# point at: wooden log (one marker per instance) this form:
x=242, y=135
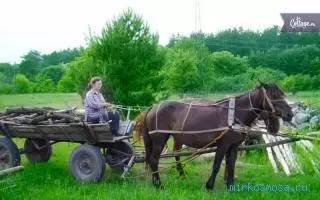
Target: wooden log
x=27, y=110
x=270, y=155
x=279, y=155
x=286, y=155
x=241, y=148
x=292, y=157
x=255, y=131
x=69, y=118
x=10, y=170
x=11, y=115
x=296, y=160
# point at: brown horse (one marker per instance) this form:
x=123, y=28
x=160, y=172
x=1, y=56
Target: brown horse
x=271, y=121
x=197, y=126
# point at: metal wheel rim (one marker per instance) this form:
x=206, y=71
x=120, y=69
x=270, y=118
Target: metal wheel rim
x=5, y=158
x=85, y=164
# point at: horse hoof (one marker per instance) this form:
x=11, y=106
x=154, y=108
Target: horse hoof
x=209, y=186
x=160, y=187
x=157, y=184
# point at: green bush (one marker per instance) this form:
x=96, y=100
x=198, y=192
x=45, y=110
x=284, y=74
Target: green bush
x=45, y=86
x=297, y=82
x=231, y=83
x=6, y=89
x=66, y=84
x=22, y=84
x=315, y=82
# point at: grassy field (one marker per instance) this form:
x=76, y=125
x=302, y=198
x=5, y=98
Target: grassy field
x=56, y=100
x=53, y=180
x=311, y=98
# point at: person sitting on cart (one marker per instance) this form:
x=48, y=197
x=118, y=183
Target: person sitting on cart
x=95, y=107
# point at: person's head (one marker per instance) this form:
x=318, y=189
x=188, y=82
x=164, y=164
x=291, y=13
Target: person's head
x=95, y=83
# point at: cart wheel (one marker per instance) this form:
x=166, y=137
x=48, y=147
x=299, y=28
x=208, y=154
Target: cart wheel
x=9, y=154
x=120, y=153
x=36, y=155
x=87, y=163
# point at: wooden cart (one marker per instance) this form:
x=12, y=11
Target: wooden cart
x=87, y=161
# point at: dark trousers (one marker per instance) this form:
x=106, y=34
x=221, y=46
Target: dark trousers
x=114, y=124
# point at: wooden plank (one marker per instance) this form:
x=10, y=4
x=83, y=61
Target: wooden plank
x=270, y=155
x=279, y=155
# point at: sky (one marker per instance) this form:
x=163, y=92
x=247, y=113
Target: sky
x=49, y=25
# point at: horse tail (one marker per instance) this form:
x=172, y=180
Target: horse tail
x=142, y=131
x=140, y=122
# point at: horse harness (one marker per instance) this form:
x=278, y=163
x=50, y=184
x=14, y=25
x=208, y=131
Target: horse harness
x=232, y=119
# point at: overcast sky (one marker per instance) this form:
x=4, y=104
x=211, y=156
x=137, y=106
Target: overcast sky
x=48, y=25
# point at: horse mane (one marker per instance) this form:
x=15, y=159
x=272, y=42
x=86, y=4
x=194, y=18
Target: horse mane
x=272, y=89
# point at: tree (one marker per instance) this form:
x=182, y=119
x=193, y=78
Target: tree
x=8, y=71
x=126, y=55
x=227, y=64
x=31, y=64
x=66, y=84
x=60, y=57
x=297, y=82
x=180, y=73
x=53, y=72
x=291, y=61
x=204, y=60
x=45, y=85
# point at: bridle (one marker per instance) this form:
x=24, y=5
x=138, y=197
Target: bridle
x=267, y=99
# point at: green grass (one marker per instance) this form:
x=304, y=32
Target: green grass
x=311, y=98
x=56, y=100
x=53, y=180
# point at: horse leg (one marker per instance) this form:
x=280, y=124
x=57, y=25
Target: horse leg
x=226, y=170
x=157, y=148
x=178, y=147
x=231, y=158
x=221, y=151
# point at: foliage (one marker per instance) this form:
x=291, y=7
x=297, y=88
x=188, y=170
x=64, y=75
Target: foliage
x=226, y=64
x=193, y=54
x=44, y=85
x=126, y=55
x=53, y=72
x=31, y=64
x=297, y=82
x=22, y=84
x=291, y=61
x=66, y=84
x=6, y=89
x=7, y=72
x=60, y=57
x=136, y=70
x=180, y=72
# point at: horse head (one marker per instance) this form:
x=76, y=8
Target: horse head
x=273, y=101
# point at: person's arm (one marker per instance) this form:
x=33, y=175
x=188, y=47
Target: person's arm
x=91, y=101
x=106, y=103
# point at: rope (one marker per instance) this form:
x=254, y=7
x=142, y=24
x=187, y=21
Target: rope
x=185, y=161
x=185, y=119
x=132, y=108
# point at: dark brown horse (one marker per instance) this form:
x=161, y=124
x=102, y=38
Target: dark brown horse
x=193, y=126
x=271, y=121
